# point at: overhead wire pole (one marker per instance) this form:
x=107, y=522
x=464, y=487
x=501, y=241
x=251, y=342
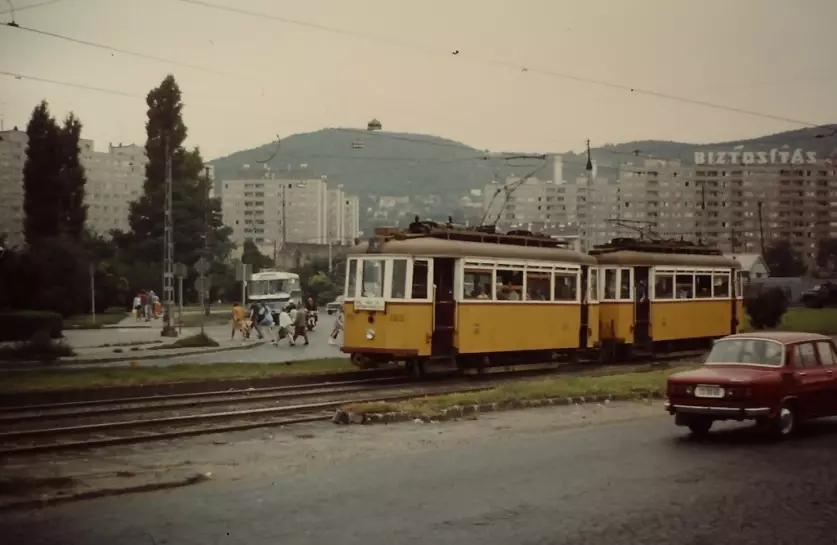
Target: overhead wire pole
x=168, y=249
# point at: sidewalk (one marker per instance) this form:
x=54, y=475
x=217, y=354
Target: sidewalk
x=114, y=344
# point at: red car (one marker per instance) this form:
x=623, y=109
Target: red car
x=775, y=378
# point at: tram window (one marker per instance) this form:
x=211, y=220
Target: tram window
x=663, y=286
x=625, y=285
x=372, y=278
x=399, y=279
x=720, y=285
x=684, y=286
x=610, y=284
x=351, y=278
x=477, y=284
x=703, y=285
x=420, y=270
x=537, y=286
x=509, y=285
x=565, y=286
x=594, y=285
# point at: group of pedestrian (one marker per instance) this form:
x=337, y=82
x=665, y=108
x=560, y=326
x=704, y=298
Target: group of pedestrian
x=146, y=306
x=292, y=322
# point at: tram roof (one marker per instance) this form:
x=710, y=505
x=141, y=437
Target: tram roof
x=633, y=258
x=436, y=247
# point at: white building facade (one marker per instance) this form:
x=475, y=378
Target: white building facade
x=12, y=157
x=114, y=179
x=270, y=211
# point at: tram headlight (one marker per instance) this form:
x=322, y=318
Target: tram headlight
x=370, y=334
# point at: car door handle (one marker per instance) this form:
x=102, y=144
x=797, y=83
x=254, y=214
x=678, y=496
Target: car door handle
x=802, y=374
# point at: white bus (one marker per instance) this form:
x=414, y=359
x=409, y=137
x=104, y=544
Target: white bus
x=275, y=288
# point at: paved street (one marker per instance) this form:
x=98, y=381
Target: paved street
x=526, y=477
x=99, y=343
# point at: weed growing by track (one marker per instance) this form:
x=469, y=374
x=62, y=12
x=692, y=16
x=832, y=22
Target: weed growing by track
x=628, y=384
x=62, y=379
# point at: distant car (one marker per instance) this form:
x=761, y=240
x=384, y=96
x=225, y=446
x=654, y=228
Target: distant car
x=335, y=305
x=820, y=296
x=775, y=378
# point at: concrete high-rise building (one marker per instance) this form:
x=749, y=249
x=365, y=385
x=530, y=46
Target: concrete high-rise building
x=115, y=178
x=12, y=157
x=731, y=199
x=270, y=211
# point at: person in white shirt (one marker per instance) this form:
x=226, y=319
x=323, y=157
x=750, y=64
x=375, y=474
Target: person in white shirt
x=338, y=326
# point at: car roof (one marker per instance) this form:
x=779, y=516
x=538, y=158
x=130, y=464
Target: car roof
x=784, y=337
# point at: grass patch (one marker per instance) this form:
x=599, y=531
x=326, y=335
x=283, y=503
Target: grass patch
x=67, y=379
x=810, y=320
x=201, y=340
x=628, y=384
x=86, y=321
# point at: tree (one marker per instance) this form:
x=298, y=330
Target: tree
x=53, y=178
x=766, y=309
x=72, y=180
x=783, y=261
x=42, y=193
x=166, y=131
x=252, y=256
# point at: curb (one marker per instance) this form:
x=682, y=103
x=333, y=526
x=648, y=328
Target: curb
x=459, y=411
x=139, y=355
x=104, y=493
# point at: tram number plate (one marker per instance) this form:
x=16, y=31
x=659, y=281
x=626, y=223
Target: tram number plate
x=709, y=391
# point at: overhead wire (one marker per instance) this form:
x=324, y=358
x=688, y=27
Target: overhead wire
x=499, y=62
x=29, y=6
x=123, y=51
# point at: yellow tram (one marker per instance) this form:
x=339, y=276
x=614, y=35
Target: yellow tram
x=465, y=299
x=665, y=296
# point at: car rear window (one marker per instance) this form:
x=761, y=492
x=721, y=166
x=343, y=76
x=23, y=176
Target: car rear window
x=746, y=352
x=806, y=355
x=827, y=355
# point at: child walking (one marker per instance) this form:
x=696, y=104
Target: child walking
x=338, y=326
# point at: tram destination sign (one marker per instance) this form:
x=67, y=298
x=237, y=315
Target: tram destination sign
x=772, y=157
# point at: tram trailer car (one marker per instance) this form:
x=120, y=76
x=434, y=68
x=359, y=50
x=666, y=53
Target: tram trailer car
x=661, y=301
x=420, y=300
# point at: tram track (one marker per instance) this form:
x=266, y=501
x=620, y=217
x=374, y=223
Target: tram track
x=96, y=424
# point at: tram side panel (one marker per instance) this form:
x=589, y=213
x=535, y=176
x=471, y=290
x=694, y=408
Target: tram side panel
x=695, y=319
x=616, y=321
x=487, y=327
x=402, y=330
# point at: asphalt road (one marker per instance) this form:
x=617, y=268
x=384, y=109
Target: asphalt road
x=630, y=483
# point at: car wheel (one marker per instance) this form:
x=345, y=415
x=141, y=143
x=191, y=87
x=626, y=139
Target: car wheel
x=701, y=426
x=784, y=425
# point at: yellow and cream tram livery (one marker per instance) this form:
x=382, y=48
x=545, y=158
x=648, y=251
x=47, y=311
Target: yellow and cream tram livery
x=467, y=300
x=664, y=297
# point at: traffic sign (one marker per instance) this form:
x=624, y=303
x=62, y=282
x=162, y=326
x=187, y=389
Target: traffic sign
x=180, y=270
x=202, y=266
x=203, y=283
x=242, y=272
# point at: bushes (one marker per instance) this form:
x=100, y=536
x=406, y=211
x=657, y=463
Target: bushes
x=23, y=325
x=39, y=348
x=767, y=308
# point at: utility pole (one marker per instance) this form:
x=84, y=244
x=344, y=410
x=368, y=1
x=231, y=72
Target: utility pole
x=92, y=291
x=204, y=290
x=168, y=250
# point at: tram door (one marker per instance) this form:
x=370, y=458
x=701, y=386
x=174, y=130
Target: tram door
x=584, y=326
x=733, y=290
x=642, y=306
x=444, y=307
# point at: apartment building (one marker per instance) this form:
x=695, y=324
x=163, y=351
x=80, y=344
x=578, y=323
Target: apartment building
x=115, y=178
x=12, y=157
x=270, y=210
x=732, y=199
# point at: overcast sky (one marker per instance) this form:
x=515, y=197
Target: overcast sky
x=770, y=56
